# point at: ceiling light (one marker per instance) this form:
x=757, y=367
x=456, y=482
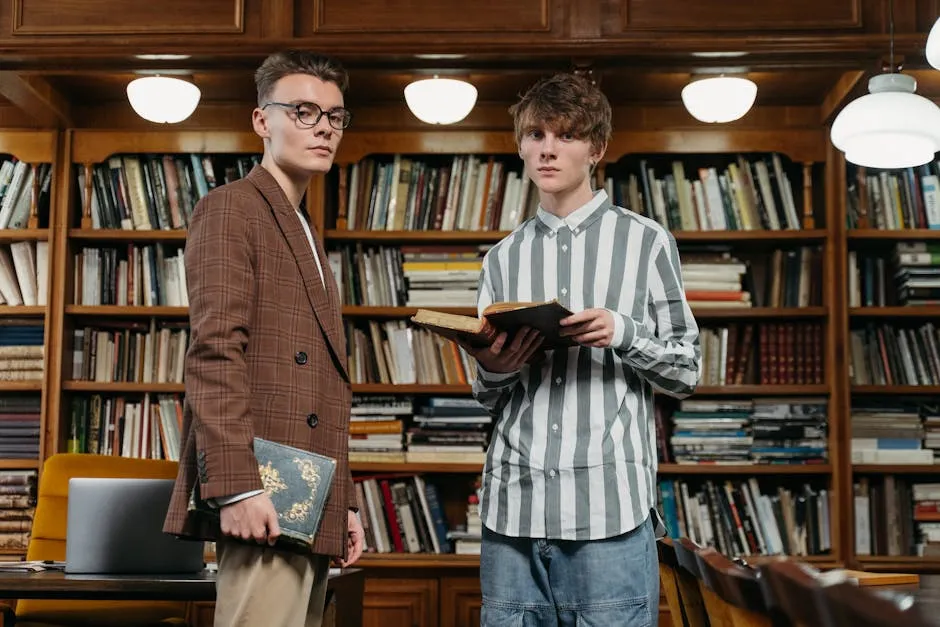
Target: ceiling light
x=161, y=57
x=891, y=127
x=719, y=99
x=720, y=55
x=163, y=99
x=440, y=100
x=933, y=45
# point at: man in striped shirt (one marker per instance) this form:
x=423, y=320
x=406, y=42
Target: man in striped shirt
x=569, y=485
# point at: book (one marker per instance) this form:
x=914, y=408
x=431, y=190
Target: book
x=497, y=318
x=298, y=483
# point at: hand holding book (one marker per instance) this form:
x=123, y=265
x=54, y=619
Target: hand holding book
x=555, y=325
x=591, y=327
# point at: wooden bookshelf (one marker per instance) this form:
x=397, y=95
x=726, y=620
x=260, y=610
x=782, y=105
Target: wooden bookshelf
x=70, y=232
x=23, y=235
x=22, y=311
x=927, y=312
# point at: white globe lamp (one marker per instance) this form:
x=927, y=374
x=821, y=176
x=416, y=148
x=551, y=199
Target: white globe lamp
x=890, y=127
x=933, y=45
x=163, y=99
x=719, y=99
x=440, y=100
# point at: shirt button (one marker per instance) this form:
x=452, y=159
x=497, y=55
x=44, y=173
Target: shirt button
x=551, y=473
x=558, y=380
x=564, y=247
x=554, y=427
x=564, y=291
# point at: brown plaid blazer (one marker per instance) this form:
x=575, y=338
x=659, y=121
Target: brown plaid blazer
x=267, y=354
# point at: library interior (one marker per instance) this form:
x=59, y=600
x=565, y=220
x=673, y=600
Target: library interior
x=752, y=133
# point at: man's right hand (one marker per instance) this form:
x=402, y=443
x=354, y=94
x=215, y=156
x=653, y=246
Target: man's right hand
x=252, y=518
x=499, y=357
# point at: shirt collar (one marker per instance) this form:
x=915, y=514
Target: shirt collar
x=577, y=217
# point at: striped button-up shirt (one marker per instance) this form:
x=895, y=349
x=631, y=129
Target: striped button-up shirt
x=573, y=452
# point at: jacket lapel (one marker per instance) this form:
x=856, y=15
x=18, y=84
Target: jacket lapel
x=324, y=300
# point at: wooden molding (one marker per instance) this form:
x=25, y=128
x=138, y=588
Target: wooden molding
x=698, y=15
x=101, y=17
x=837, y=96
x=36, y=98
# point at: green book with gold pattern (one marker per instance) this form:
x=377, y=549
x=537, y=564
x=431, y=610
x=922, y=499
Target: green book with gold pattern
x=298, y=483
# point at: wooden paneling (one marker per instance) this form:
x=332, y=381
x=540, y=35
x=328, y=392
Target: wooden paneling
x=400, y=603
x=715, y=15
x=125, y=17
x=460, y=601
x=429, y=16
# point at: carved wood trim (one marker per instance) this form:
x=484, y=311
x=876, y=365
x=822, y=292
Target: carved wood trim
x=20, y=28
x=466, y=25
x=853, y=21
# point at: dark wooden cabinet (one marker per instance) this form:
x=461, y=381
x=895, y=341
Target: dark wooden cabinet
x=460, y=601
x=400, y=602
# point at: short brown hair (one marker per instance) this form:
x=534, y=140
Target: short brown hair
x=281, y=64
x=564, y=102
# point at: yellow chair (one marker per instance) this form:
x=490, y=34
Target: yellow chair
x=47, y=542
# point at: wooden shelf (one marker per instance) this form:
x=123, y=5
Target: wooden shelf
x=416, y=237
x=762, y=390
x=897, y=390
x=721, y=391
x=385, y=388
x=896, y=469
x=417, y=560
x=127, y=311
x=118, y=387
x=22, y=311
x=898, y=235
x=908, y=564
x=127, y=235
x=757, y=313
x=763, y=236
x=451, y=560
x=744, y=469
x=19, y=464
x=416, y=467
x=364, y=311
x=895, y=312
x=23, y=235
x=454, y=237
x=20, y=386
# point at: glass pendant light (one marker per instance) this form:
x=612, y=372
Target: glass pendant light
x=891, y=126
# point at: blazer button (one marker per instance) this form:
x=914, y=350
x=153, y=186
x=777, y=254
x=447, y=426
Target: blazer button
x=312, y=420
x=300, y=358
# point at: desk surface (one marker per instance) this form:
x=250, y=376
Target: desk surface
x=185, y=587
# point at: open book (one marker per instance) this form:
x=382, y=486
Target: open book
x=499, y=317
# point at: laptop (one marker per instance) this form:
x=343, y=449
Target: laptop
x=115, y=526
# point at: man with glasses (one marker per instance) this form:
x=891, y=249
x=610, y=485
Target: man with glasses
x=267, y=356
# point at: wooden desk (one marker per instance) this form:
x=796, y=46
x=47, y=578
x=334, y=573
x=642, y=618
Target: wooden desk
x=347, y=588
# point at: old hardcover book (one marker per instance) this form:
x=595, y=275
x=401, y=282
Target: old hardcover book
x=298, y=483
x=498, y=317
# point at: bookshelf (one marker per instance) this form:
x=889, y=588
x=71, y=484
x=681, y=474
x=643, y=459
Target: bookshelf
x=35, y=150
x=816, y=173
x=807, y=155
x=891, y=359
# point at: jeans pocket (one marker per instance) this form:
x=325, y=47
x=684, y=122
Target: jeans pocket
x=629, y=613
x=501, y=616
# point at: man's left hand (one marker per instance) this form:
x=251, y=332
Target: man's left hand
x=591, y=327
x=354, y=540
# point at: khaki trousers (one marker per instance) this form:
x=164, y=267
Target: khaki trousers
x=257, y=585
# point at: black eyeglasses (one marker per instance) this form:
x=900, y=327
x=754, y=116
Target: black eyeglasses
x=308, y=114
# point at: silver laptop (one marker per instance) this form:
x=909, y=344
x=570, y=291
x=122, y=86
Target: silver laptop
x=115, y=526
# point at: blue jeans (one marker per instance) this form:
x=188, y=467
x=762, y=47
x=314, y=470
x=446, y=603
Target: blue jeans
x=530, y=582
